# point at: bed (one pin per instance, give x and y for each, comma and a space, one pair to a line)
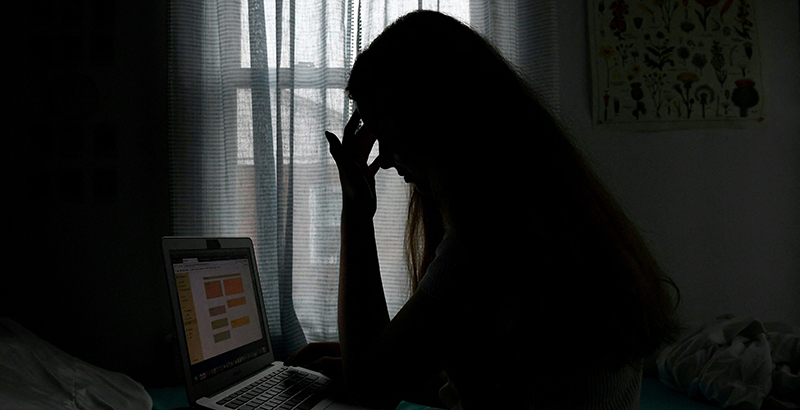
655, 396
731, 362
37, 375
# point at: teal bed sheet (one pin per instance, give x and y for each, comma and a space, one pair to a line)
655, 396
658, 396
168, 398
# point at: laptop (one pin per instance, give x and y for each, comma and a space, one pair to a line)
223, 335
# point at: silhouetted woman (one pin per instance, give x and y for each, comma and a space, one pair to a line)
531, 288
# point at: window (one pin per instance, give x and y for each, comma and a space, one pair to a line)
308, 85
252, 90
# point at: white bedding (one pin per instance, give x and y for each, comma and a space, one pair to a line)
36, 375
736, 362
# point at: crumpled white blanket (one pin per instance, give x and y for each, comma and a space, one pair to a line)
36, 375
736, 362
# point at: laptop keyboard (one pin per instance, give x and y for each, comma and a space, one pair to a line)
284, 389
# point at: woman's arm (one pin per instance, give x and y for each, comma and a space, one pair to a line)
383, 360
362, 305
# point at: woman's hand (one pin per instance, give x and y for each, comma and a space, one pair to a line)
325, 358
355, 174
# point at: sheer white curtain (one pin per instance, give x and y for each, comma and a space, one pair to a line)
253, 86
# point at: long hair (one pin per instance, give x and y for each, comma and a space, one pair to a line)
424, 231
513, 188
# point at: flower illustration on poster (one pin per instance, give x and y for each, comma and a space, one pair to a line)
672, 64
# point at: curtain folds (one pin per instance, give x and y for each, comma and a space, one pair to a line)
253, 84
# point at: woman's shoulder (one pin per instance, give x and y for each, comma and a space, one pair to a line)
448, 270
472, 282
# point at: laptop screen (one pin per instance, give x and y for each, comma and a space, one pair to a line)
221, 315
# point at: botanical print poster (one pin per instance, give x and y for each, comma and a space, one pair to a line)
672, 64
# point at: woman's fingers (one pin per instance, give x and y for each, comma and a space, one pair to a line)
325, 365
335, 146
374, 167
362, 147
355, 173
357, 140
331, 367
351, 127
357, 143
314, 352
